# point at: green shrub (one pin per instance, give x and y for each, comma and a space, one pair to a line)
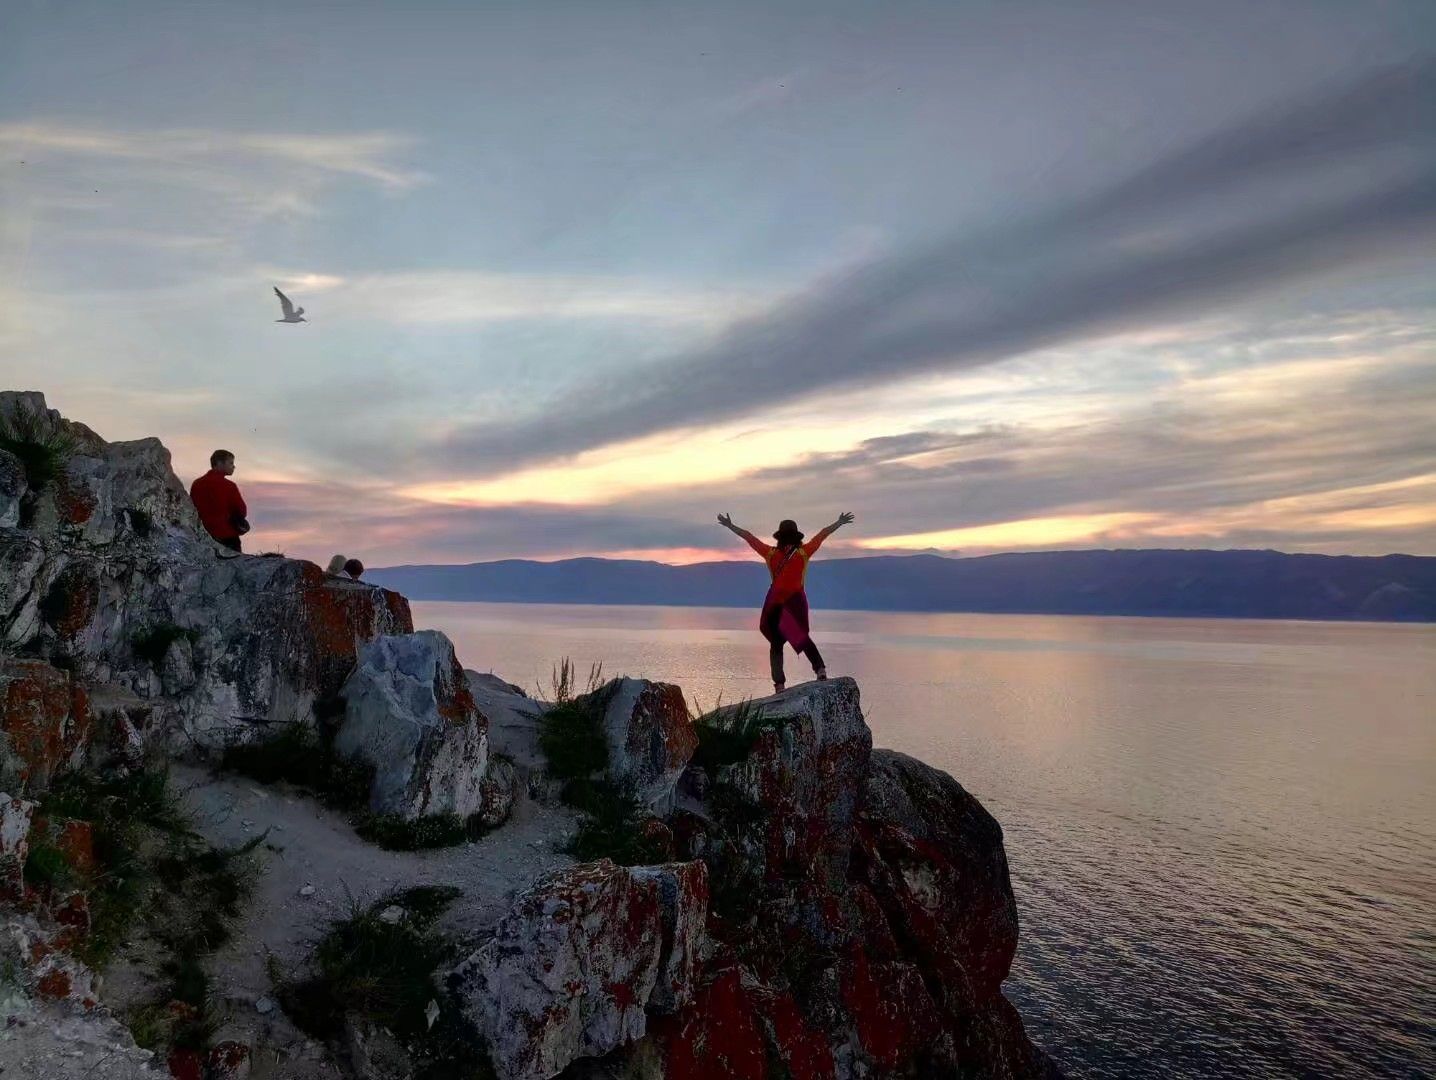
612, 827
47, 868
571, 731
383, 973
299, 755
726, 736
156, 878
394, 833
571, 737
153, 643
40, 443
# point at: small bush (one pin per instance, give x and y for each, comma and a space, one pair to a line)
571, 731
394, 833
141, 524
726, 737
155, 877
383, 973
571, 737
612, 827
377, 970
152, 644
40, 443
47, 868
300, 756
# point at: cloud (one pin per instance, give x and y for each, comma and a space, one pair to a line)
185, 188
1278, 199
364, 155
1324, 445
456, 297
315, 519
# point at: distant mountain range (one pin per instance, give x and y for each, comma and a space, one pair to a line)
1214, 584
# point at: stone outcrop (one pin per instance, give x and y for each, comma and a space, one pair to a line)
514, 720
862, 912
574, 969
803, 780
110, 577
828, 911
650, 736
409, 713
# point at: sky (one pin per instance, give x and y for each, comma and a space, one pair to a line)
580, 276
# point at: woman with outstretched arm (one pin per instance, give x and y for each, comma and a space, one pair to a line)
785, 608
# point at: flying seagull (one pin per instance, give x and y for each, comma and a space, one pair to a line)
291, 313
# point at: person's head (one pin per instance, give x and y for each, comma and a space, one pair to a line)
354, 568
336, 565
788, 534
222, 461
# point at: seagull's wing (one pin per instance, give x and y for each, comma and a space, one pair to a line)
284, 303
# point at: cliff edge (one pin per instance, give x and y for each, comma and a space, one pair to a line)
253, 824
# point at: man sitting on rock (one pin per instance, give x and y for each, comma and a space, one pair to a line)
220, 505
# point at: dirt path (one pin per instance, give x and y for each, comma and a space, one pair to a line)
319, 869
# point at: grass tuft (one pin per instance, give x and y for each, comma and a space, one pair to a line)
383, 973
394, 833
612, 827
726, 736
153, 643
47, 868
571, 731
155, 876
300, 756
40, 443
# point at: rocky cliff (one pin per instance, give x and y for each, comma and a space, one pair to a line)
604, 885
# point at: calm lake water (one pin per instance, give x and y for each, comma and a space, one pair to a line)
1222, 834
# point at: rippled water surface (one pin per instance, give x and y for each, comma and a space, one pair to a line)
1222, 834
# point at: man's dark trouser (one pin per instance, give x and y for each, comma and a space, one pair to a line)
232, 543
775, 649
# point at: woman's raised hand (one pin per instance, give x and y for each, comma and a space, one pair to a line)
844, 518
726, 520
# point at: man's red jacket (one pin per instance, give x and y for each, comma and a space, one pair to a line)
219, 502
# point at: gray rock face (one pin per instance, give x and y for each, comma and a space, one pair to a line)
573, 968
114, 554
514, 720
408, 712
650, 736
806, 771
933, 857
42, 1040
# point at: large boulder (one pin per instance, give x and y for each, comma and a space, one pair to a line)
409, 713
113, 578
515, 720
933, 858
575, 966
650, 736
789, 805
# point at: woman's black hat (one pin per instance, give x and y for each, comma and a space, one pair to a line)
788, 532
